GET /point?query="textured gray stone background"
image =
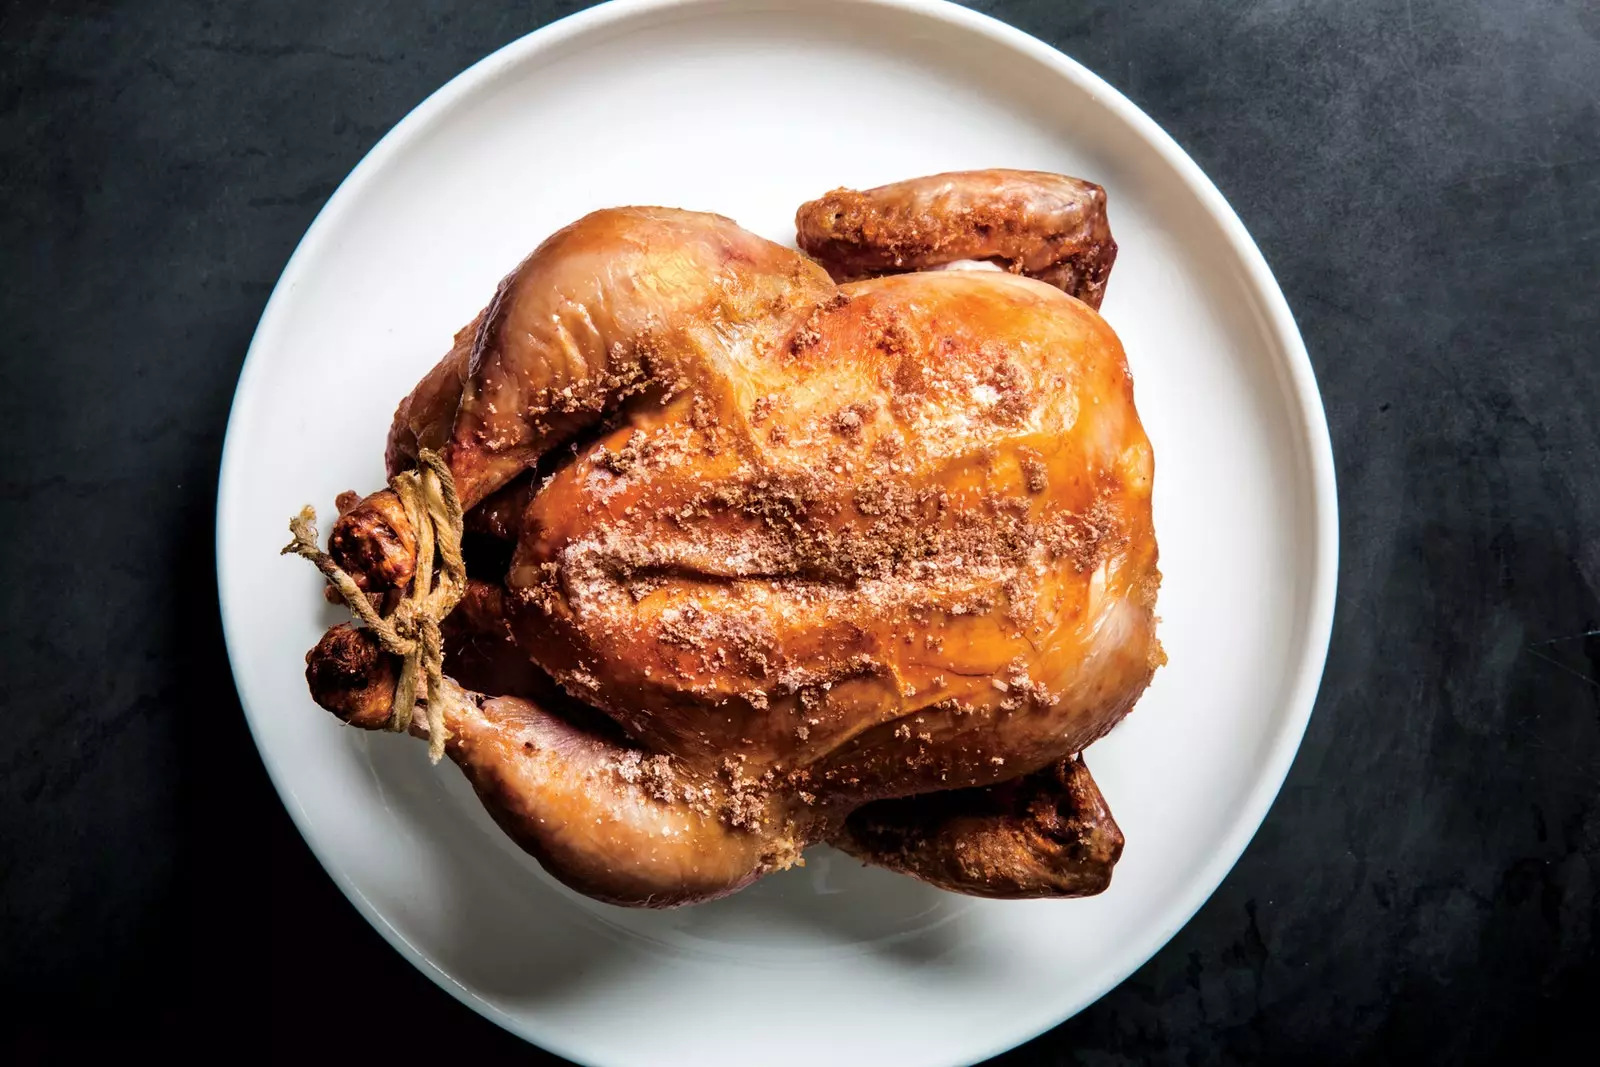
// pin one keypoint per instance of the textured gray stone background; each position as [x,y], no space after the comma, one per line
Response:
[1424,178]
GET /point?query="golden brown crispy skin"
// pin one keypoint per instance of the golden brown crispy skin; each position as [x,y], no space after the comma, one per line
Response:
[424,418]
[622,303]
[611,821]
[1046,226]
[1049,834]
[814,546]
[907,549]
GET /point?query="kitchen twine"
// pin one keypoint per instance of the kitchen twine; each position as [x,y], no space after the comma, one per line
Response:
[411,631]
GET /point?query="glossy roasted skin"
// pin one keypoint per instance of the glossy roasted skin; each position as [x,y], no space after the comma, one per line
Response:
[907,548]
[807,546]
[1046,226]
[605,817]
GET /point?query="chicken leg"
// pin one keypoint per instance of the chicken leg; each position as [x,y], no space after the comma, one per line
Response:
[604,818]
[1046,226]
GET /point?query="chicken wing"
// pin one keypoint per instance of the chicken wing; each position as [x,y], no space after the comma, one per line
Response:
[1046,226]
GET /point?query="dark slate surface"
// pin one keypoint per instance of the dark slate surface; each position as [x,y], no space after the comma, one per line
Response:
[1424,178]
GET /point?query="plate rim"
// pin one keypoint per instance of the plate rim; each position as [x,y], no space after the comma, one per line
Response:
[1302,390]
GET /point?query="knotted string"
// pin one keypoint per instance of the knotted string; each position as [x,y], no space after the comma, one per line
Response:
[411,631]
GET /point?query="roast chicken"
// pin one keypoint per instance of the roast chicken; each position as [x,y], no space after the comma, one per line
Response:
[767,548]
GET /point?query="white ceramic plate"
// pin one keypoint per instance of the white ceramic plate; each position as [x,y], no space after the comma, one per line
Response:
[749,107]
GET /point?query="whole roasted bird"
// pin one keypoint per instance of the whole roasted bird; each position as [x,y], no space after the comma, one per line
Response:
[765,549]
